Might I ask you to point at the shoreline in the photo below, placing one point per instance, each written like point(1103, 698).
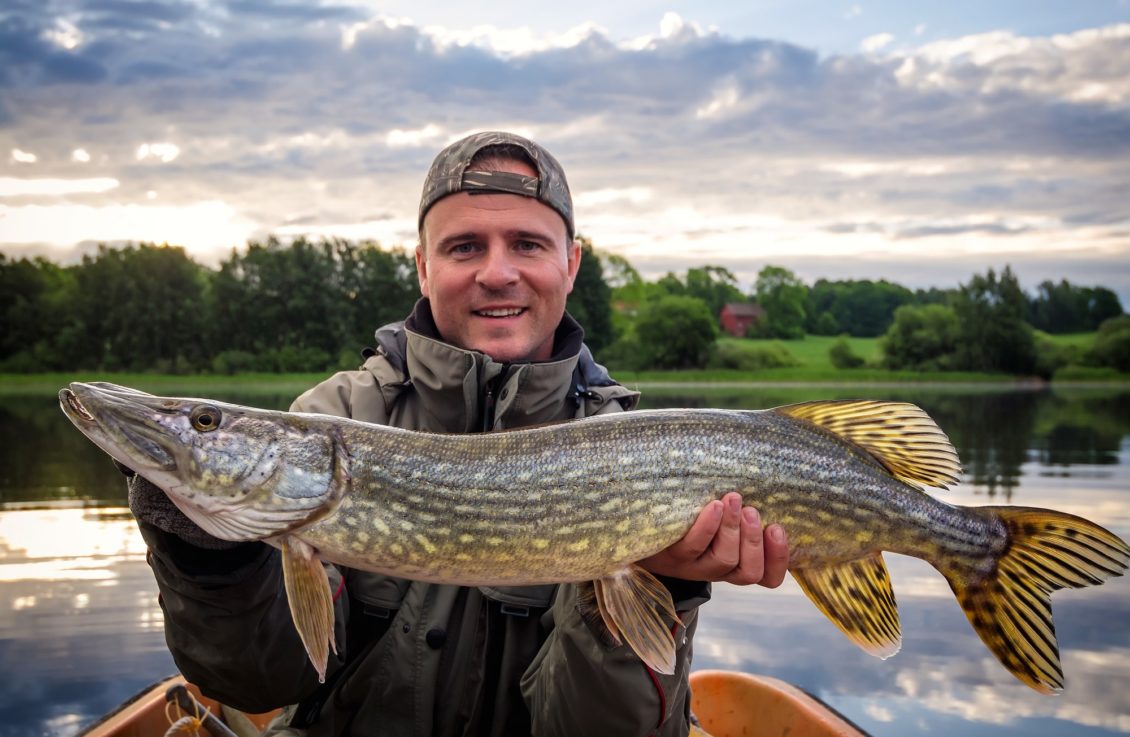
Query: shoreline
point(51, 383)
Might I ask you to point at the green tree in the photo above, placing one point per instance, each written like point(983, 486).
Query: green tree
point(619, 273)
point(671, 284)
point(861, 308)
point(826, 324)
point(630, 292)
point(302, 305)
point(921, 338)
point(1112, 344)
point(993, 334)
point(1058, 308)
point(274, 295)
point(782, 295)
point(676, 332)
point(842, 356)
point(590, 302)
point(714, 285)
point(1102, 305)
point(35, 309)
point(138, 308)
point(1066, 308)
point(377, 285)
point(934, 296)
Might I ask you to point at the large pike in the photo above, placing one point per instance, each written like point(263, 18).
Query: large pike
point(582, 501)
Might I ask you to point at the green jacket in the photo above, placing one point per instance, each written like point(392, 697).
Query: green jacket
point(416, 658)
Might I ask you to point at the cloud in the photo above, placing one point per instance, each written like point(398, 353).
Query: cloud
point(876, 43)
point(315, 114)
point(163, 152)
point(293, 11)
point(13, 187)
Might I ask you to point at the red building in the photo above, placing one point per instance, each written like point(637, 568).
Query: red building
point(737, 317)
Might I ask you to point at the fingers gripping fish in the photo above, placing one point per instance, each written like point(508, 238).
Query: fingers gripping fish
point(582, 501)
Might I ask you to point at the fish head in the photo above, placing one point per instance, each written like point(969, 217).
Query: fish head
point(240, 473)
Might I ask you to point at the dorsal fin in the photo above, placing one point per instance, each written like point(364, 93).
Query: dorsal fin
point(899, 435)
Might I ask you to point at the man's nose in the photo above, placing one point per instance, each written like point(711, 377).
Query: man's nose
point(498, 268)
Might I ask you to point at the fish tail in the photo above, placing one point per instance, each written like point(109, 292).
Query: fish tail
point(1010, 606)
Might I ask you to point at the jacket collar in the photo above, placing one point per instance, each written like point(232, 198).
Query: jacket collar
point(460, 390)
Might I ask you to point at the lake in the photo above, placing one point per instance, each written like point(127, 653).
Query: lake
point(81, 629)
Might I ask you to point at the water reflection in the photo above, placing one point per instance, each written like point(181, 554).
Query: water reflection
point(943, 671)
point(80, 627)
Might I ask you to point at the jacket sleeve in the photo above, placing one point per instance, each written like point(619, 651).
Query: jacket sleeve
point(227, 618)
point(228, 623)
point(579, 685)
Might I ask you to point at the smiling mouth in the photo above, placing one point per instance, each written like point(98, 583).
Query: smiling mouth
point(507, 312)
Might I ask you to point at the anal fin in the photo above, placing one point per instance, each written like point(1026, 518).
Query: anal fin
point(311, 601)
point(857, 596)
point(637, 609)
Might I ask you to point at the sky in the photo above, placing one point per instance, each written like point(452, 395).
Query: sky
point(870, 139)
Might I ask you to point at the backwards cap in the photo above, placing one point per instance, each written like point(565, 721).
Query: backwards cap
point(449, 175)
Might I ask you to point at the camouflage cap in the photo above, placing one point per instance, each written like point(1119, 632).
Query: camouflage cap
point(449, 175)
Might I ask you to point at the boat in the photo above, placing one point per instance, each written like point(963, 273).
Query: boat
point(172, 706)
point(734, 704)
point(726, 704)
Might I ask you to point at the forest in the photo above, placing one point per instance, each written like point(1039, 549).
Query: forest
point(313, 306)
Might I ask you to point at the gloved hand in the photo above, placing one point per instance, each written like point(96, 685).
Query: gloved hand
point(149, 504)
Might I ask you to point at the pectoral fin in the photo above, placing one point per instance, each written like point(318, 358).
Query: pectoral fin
point(857, 597)
point(311, 601)
point(637, 609)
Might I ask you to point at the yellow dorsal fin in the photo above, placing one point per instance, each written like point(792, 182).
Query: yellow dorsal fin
point(899, 435)
point(857, 596)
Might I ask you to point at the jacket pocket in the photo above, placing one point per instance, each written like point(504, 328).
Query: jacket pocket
point(521, 601)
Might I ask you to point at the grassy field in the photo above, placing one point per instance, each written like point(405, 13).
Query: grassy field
point(815, 366)
point(811, 352)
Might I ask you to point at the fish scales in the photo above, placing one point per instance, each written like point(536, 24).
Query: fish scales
point(583, 501)
point(611, 518)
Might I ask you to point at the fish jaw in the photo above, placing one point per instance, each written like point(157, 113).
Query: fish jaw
point(237, 472)
point(118, 423)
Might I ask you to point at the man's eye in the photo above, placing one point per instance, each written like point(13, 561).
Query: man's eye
point(528, 246)
point(463, 248)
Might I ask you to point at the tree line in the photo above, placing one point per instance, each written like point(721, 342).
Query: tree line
point(300, 306)
point(987, 325)
point(312, 306)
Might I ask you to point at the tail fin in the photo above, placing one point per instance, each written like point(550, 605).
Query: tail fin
point(1010, 608)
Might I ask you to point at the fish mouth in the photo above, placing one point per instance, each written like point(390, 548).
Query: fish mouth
point(73, 407)
point(121, 421)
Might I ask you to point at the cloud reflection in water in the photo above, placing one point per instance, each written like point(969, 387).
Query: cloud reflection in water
point(73, 587)
point(943, 679)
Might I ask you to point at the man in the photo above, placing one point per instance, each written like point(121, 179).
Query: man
point(488, 347)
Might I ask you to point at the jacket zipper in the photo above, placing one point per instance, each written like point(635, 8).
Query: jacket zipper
point(489, 398)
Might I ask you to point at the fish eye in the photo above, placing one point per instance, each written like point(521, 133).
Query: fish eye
point(205, 418)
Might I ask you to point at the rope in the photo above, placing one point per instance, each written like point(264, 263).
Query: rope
point(188, 724)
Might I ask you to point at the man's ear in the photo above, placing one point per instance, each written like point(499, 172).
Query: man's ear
point(422, 268)
point(573, 254)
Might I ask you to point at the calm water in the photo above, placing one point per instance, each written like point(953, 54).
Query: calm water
point(80, 627)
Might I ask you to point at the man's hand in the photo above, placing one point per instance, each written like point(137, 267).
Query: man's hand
point(726, 543)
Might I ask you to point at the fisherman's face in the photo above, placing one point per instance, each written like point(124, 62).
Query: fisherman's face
point(497, 269)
